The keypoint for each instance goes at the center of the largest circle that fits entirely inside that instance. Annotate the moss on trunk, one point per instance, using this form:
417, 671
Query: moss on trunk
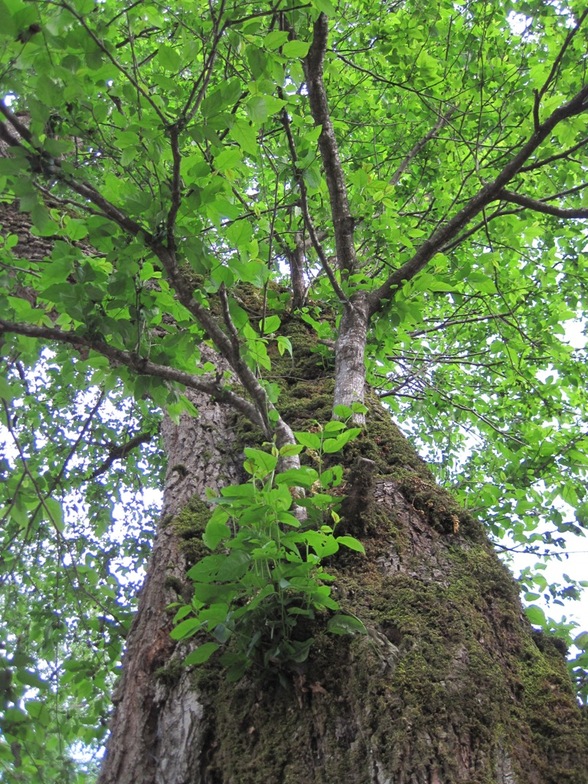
449, 685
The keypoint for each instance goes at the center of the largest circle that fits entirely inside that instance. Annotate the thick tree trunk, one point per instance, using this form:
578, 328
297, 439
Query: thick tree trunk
158, 722
450, 685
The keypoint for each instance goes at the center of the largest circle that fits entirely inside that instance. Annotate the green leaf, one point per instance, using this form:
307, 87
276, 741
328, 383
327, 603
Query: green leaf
206, 570
297, 477
275, 39
352, 543
6, 391
259, 463
186, 628
309, 440
201, 654
332, 445
535, 615
169, 58
295, 49
269, 324
325, 7
290, 449
216, 530
284, 344
334, 426
260, 107
312, 177
345, 624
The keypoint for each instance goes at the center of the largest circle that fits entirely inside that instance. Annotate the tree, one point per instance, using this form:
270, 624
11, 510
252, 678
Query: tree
266, 219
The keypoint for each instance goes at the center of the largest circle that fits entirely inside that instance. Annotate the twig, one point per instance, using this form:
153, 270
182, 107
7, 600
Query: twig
441, 122
100, 44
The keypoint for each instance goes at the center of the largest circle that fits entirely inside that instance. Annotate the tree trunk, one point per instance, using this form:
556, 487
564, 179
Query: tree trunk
450, 685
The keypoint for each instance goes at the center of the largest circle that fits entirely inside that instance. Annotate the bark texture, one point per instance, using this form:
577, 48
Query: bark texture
157, 731
450, 685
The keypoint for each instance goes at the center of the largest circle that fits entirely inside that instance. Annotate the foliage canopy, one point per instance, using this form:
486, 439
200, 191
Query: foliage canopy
408, 178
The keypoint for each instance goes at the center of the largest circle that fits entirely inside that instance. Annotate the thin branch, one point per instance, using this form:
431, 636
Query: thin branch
103, 48
233, 334
55, 480
411, 155
51, 168
271, 12
343, 222
119, 452
389, 82
138, 364
555, 67
200, 85
123, 11
296, 262
176, 184
556, 157
306, 212
539, 205
457, 322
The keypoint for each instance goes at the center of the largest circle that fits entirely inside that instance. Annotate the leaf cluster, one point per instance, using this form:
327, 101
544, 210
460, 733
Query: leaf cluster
262, 591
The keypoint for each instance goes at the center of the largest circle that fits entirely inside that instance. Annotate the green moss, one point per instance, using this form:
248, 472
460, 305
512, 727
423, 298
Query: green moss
175, 584
171, 673
448, 663
548, 704
189, 524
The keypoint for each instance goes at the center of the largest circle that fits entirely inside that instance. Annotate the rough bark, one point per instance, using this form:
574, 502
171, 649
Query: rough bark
449, 686
350, 355
156, 732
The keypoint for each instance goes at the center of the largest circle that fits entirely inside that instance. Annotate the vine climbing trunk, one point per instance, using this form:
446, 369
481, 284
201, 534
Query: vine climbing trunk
449, 685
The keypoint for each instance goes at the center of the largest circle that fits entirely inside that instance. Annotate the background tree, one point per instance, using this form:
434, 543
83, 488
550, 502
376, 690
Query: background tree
253, 216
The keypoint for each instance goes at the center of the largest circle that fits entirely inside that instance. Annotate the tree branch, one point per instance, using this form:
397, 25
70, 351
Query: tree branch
306, 212
489, 193
343, 222
176, 184
442, 121
554, 68
233, 334
182, 287
138, 364
51, 168
457, 322
556, 157
119, 452
539, 205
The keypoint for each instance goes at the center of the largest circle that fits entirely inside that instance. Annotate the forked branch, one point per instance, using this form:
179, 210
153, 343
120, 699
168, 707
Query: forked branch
491, 192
